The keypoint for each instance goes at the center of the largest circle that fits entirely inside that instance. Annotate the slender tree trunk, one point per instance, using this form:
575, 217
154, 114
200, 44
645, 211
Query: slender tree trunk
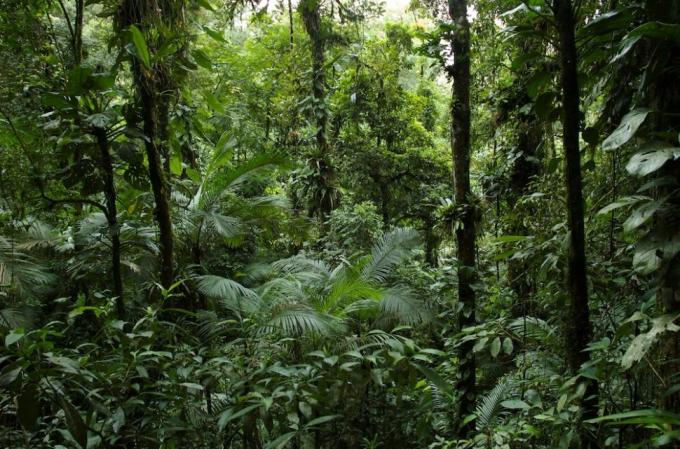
311, 16
111, 218
157, 179
465, 234
147, 85
579, 331
78, 33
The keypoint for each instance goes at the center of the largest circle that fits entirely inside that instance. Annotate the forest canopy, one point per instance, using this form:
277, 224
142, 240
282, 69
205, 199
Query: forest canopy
339, 224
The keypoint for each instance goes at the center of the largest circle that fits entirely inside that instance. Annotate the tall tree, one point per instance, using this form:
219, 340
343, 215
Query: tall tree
148, 79
579, 330
325, 196
465, 232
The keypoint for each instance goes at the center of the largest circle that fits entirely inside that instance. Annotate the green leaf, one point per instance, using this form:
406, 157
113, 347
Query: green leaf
624, 202
216, 35
536, 82
626, 130
140, 46
13, 337
515, 404
281, 441
658, 30
507, 345
202, 59
544, 105
176, 165
321, 420
28, 407
511, 238
229, 415
641, 215
646, 262
74, 422
435, 378
651, 158
643, 342
495, 347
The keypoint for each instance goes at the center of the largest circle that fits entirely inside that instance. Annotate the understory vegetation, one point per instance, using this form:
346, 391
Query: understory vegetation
339, 224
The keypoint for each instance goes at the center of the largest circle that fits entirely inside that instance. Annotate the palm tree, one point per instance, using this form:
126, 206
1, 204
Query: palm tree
308, 297
215, 208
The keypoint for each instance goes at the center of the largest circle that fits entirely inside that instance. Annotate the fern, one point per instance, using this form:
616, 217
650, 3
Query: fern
489, 406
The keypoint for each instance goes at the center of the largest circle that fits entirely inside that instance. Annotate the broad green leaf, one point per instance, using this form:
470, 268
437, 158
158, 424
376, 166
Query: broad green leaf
643, 342
13, 337
658, 30
544, 105
515, 404
216, 35
140, 46
176, 165
495, 348
435, 378
641, 215
624, 202
507, 345
321, 420
511, 238
281, 441
229, 415
74, 422
647, 261
630, 123
536, 82
651, 157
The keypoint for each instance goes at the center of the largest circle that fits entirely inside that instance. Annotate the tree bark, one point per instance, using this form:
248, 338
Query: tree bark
78, 33
310, 11
465, 234
579, 330
111, 218
133, 12
157, 179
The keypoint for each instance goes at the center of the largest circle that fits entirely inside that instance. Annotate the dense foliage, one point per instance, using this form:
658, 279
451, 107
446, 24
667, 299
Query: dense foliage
326, 224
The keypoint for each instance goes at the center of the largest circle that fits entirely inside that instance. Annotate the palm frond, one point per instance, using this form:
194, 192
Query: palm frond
20, 271
345, 291
233, 295
400, 306
296, 320
391, 248
217, 182
303, 268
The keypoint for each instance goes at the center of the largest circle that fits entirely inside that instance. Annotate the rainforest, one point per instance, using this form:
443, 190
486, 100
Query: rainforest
339, 224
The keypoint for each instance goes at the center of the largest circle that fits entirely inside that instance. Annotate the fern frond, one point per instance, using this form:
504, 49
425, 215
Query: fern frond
489, 406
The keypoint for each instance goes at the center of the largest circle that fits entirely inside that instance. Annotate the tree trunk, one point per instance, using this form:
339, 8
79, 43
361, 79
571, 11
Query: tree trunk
78, 33
111, 218
311, 17
146, 82
579, 331
465, 234
157, 179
